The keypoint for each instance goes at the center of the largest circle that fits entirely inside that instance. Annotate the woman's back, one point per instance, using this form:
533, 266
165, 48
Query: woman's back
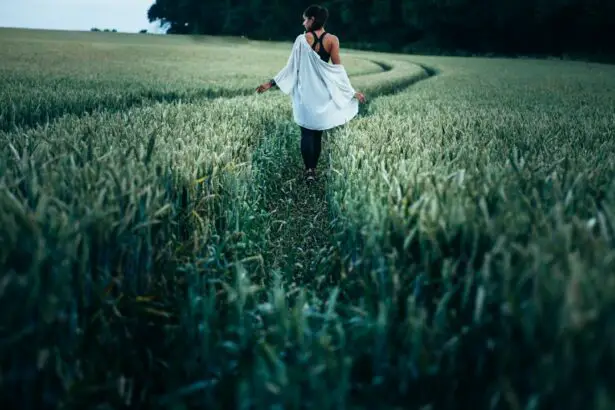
319, 45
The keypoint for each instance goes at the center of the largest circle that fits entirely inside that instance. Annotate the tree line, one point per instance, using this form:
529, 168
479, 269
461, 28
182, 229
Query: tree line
480, 26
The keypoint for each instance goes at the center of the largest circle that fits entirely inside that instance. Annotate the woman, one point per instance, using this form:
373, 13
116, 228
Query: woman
322, 95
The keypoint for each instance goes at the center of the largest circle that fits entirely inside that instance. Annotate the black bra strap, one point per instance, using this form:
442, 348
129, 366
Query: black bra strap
318, 40
315, 40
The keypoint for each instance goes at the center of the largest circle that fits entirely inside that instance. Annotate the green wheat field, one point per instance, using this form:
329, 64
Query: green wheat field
159, 248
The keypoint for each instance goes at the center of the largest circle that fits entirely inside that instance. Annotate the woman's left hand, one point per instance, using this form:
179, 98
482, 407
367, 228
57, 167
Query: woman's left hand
360, 96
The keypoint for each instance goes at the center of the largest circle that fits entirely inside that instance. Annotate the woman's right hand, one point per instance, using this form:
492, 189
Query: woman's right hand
360, 96
263, 87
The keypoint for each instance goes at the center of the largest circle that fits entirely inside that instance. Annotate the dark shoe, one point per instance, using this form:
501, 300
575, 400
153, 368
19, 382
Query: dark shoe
310, 175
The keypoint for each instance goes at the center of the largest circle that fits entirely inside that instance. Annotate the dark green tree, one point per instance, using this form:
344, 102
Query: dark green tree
505, 26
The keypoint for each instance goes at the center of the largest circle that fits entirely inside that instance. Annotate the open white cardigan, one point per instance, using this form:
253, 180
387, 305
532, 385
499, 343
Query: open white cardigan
321, 93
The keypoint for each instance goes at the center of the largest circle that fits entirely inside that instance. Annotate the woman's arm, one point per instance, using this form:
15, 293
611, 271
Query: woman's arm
335, 50
285, 79
335, 59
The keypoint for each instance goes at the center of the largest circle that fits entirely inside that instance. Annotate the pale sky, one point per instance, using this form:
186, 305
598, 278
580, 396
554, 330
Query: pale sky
122, 15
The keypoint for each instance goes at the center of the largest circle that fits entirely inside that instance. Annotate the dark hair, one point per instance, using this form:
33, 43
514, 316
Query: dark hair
320, 14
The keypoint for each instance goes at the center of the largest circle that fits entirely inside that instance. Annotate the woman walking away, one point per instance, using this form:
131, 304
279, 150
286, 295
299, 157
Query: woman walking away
321, 93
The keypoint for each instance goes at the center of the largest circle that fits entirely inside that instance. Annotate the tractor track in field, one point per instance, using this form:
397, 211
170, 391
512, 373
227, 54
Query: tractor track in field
301, 248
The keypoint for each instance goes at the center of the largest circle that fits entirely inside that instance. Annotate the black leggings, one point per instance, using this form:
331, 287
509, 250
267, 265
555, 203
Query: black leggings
310, 146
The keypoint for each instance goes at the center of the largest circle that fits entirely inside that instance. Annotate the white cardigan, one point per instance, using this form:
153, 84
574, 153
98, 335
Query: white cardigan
321, 92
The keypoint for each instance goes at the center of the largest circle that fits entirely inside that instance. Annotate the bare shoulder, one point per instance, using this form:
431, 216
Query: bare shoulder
332, 43
333, 38
333, 48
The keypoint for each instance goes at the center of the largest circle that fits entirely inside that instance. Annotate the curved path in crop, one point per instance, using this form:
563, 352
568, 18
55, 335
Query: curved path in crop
301, 247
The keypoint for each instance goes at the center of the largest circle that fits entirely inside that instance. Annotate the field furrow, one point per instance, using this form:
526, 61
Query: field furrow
299, 243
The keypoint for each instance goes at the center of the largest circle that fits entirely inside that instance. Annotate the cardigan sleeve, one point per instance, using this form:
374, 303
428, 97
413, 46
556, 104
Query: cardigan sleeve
287, 77
338, 84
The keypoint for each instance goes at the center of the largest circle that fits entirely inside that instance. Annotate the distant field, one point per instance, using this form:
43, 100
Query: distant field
47, 74
159, 245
